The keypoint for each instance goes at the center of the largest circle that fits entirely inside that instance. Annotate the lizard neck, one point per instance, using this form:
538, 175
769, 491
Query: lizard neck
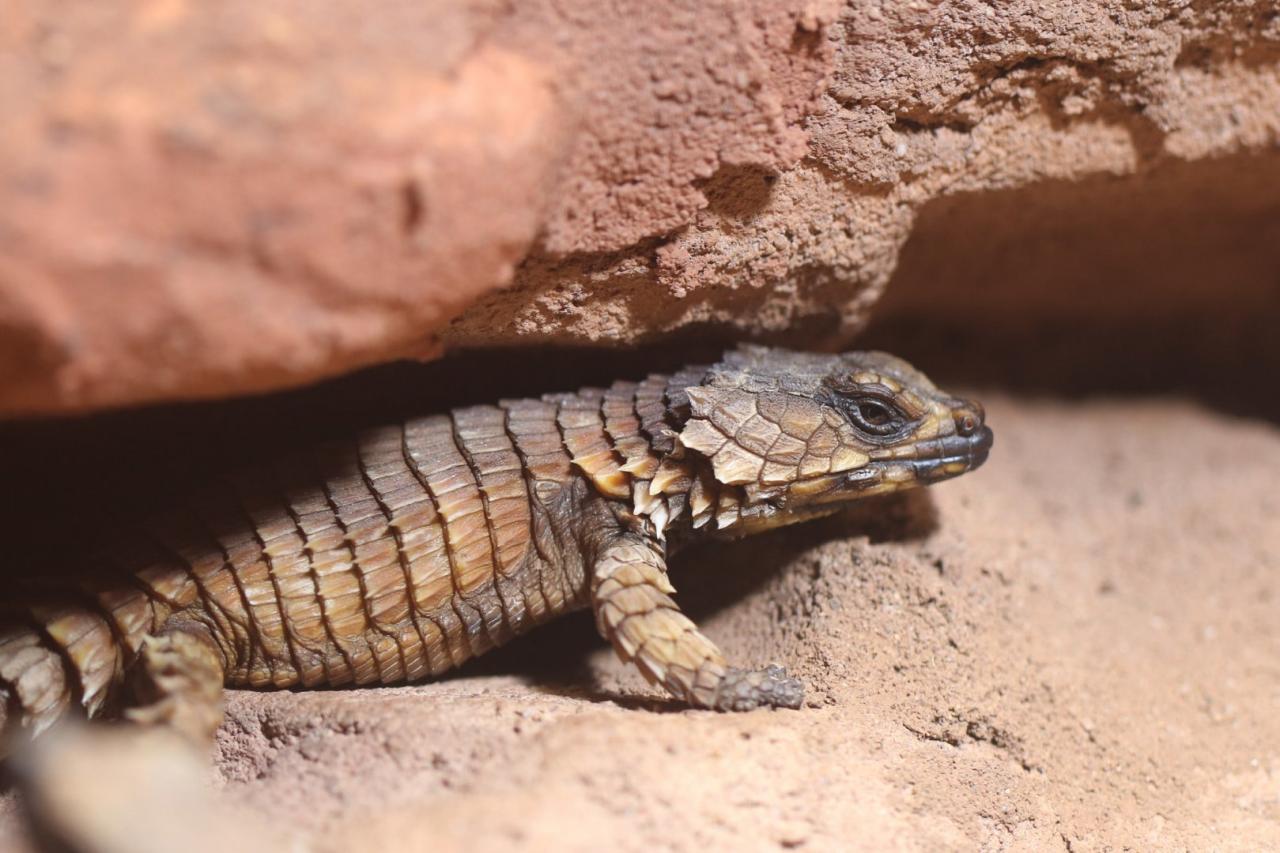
625, 441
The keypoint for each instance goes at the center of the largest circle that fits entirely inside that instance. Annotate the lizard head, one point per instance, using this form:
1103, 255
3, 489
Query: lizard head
806, 430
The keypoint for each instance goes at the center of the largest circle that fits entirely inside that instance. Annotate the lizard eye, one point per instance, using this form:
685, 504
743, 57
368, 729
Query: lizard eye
874, 416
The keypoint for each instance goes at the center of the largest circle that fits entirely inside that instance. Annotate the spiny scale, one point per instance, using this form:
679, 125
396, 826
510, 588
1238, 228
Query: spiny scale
386, 559
414, 547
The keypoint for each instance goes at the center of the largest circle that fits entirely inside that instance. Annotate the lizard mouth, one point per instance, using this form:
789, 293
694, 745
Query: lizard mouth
944, 458
930, 461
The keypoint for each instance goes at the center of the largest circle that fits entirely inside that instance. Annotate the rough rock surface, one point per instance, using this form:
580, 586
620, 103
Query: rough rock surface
199, 201
313, 189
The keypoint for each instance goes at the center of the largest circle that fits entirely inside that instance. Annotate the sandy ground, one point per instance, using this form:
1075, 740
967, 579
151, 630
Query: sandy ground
1073, 649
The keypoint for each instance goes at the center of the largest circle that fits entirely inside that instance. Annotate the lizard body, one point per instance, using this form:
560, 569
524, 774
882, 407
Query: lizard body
401, 554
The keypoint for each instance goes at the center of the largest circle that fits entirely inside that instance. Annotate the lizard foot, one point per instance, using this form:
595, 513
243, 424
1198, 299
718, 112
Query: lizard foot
177, 683
748, 689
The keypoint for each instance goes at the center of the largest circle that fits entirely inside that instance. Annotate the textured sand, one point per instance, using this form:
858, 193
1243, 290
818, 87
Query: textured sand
1074, 648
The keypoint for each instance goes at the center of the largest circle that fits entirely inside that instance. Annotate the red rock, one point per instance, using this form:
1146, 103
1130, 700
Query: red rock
206, 200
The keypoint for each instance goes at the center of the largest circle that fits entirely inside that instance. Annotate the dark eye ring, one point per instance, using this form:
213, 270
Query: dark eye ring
874, 416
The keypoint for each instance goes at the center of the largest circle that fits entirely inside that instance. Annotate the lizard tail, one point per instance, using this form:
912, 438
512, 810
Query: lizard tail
56, 659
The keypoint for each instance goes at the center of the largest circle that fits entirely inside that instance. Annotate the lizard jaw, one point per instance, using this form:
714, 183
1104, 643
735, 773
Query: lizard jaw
924, 463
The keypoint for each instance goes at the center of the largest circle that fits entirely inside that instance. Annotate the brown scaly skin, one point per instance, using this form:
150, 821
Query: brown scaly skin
403, 553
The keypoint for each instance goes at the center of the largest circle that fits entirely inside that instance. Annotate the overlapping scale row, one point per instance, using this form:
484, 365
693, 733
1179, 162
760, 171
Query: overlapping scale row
393, 557
483, 438
416, 528
624, 429
434, 453
582, 426
536, 437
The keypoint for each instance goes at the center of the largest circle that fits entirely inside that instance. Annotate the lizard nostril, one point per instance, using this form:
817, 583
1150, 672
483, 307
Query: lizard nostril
968, 419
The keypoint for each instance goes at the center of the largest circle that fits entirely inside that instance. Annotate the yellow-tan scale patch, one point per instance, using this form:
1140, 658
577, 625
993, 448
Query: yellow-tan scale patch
452, 484
483, 437
769, 439
582, 425
426, 584
676, 474
651, 410
624, 429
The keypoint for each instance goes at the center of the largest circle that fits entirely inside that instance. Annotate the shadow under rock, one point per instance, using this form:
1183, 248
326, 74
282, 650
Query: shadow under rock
1165, 283
712, 576
68, 476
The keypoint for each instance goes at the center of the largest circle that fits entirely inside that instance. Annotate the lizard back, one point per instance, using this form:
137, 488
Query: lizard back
391, 557
414, 547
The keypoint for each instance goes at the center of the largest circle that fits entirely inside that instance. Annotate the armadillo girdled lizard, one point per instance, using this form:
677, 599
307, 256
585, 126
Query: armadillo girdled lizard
401, 554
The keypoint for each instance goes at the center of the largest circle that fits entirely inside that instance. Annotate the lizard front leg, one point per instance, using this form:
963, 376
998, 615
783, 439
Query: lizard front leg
631, 597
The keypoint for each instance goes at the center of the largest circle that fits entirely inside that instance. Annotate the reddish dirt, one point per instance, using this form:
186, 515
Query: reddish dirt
1072, 649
